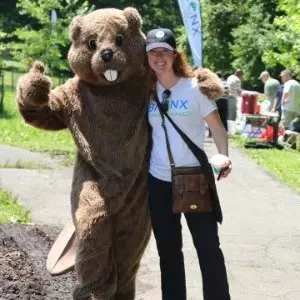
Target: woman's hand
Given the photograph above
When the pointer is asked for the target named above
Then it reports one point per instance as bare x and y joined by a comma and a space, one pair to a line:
226, 170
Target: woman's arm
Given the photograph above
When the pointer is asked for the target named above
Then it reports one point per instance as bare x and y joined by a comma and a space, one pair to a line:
220, 137
218, 132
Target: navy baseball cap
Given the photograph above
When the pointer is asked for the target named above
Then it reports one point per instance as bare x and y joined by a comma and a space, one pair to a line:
160, 38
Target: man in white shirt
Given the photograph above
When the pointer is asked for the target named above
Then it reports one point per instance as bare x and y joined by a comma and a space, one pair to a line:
290, 97
234, 83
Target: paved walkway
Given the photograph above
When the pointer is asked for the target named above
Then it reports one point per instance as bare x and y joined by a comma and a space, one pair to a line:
260, 235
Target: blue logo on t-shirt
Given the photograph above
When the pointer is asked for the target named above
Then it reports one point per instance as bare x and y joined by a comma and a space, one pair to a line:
175, 105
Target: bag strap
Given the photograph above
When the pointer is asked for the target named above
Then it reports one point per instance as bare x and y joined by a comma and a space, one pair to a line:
171, 159
163, 125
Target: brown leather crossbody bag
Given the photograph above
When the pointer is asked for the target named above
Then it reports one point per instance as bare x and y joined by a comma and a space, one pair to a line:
193, 188
190, 190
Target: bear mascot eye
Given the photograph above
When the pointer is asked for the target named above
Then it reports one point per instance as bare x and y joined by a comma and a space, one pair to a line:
119, 40
92, 44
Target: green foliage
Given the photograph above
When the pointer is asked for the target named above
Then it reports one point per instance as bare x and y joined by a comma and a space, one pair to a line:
250, 41
251, 34
286, 36
42, 39
37, 38
155, 13
181, 38
11, 211
219, 19
9, 18
236, 35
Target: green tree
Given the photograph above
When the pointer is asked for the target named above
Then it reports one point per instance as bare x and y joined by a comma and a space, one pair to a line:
9, 18
236, 34
250, 41
155, 13
285, 49
43, 39
219, 19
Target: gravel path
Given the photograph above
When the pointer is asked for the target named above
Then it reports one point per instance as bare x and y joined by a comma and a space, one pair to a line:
260, 236
45, 191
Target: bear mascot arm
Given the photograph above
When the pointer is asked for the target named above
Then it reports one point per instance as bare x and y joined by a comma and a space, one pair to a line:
37, 105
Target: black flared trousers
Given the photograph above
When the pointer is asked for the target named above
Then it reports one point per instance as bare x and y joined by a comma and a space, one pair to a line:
167, 231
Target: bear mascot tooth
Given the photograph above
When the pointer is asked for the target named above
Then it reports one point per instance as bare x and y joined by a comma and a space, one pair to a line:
104, 106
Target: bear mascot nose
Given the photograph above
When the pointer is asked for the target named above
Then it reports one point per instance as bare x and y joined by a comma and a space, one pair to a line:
107, 55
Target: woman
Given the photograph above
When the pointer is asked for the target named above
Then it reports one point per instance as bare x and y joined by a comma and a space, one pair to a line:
189, 109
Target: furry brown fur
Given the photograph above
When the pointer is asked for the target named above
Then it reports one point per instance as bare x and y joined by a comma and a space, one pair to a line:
210, 84
108, 124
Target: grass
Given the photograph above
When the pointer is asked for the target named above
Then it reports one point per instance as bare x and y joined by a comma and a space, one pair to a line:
11, 211
23, 165
284, 164
15, 132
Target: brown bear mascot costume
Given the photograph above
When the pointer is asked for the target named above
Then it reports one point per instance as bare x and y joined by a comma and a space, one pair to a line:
104, 106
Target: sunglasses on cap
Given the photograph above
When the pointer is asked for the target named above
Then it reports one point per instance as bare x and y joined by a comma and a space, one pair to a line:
165, 100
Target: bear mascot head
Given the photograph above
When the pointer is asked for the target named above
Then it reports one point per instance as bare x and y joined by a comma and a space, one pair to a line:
108, 46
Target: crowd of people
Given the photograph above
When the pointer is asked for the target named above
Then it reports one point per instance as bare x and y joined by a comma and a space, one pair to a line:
280, 96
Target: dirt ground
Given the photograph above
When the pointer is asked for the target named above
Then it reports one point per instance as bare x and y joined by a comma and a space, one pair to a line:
23, 273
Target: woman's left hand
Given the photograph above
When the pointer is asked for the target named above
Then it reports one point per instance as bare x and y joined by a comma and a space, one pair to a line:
226, 170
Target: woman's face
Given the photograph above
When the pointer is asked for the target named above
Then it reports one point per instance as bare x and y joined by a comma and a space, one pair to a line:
161, 60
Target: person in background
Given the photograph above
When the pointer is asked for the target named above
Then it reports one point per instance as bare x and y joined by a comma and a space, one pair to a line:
222, 105
295, 125
277, 107
290, 97
270, 90
234, 83
174, 83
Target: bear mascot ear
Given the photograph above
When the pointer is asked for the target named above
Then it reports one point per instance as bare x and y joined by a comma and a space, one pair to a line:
133, 18
75, 27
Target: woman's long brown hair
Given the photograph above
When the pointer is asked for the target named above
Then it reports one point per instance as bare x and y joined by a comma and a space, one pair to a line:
181, 66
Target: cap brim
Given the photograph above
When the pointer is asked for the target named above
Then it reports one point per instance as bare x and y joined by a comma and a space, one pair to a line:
159, 45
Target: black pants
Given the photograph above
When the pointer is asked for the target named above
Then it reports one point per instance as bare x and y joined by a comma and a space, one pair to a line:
167, 232
222, 105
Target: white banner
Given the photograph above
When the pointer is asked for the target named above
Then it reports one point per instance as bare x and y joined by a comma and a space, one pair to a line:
191, 14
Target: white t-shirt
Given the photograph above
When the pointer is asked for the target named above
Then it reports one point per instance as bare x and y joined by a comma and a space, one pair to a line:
265, 106
234, 86
293, 88
187, 107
